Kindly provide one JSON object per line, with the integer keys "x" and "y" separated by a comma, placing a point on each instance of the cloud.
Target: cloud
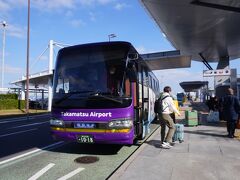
{"x": 50, "y": 5}
{"x": 172, "y": 77}
{"x": 43, "y": 5}
{"x": 94, "y": 2}
{"x": 15, "y": 31}
{"x": 44, "y": 58}
{"x": 11, "y": 4}
{"x": 92, "y": 16}
{"x": 4, "y": 6}
{"x": 142, "y": 50}
{"x": 120, "y": 6}
{"x": 12, "y": 70}
{"x": 105, "y": 1}
{"x": 77, "y": 23}
{"x": 87, "y": 2}
{"x": 178, "y": 75}
{"x": 69, "y": 14}
{"x": 54, "y": 4}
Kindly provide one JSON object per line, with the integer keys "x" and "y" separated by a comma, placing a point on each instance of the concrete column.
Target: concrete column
{"x": 223, "y": 63}
{"x": 50, "y": 69}
{"x": 233, "y": 81}
{"x": 22, "y": 91}
{"x": 50, "y": 93}
{"x": 50, "y": 65}
{"x": 42, "y": 98}
{"x": 221, "y": 83}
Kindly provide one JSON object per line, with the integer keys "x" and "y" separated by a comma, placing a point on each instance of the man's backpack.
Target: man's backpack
{"x": 159, "y": 105}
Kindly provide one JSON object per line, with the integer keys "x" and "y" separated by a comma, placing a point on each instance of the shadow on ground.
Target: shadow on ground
{"x": 205, "y": 133}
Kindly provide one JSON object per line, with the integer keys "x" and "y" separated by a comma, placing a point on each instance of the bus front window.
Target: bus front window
{"x": 99, "y": 73}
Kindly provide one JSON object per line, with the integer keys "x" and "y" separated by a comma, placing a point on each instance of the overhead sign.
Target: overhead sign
{"x": 217, "y": 72}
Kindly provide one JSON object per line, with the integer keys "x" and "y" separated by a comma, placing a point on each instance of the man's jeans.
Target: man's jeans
{"x": 166, "y": 120}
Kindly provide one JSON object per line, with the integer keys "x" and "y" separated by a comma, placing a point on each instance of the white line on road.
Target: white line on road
{"x": 71, "y": 174}
{"x": 31, "y": 152}
{"x": 26, "y": 125}
{"x": 41, "y": 172}
{"x": 19, "y": 132}
{"x": 12, "y": 120}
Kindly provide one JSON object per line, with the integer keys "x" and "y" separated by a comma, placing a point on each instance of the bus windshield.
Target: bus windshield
{"x": 92, "y": 78}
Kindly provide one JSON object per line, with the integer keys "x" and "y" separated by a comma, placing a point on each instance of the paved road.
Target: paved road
{"x": 28, "y": 152}
{"x": 20, "y": 134}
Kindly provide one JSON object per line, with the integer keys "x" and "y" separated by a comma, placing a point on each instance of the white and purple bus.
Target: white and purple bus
{"x": 102, "y": 93}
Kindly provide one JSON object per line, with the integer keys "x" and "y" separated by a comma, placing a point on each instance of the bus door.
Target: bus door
{"x": 138, "y": 107}
{"x": 145, "y": 96}
{"x": 141, "y": 110}
{"x": 151, "y": 99}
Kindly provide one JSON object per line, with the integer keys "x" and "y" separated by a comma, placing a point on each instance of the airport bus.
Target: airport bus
{"x": 102, "y": 93}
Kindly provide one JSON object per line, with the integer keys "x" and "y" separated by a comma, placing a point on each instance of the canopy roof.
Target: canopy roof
{"x": 209, "y": 27}
{"x": 190, "y": 86}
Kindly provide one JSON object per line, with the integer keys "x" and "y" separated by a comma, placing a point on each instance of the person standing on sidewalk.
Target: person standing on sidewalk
{"x": 165, "y": 118}
{"x": 231, "y": 111}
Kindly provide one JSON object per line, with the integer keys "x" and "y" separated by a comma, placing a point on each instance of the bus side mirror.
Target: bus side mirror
{"x": 133, "y": 56}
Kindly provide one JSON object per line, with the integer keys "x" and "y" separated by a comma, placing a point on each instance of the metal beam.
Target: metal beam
{"x": 215, "y": 6}
{"x": 205, "y": 62}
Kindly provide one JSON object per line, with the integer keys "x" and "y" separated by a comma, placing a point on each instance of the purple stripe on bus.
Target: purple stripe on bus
{"x": 93, "y": 114}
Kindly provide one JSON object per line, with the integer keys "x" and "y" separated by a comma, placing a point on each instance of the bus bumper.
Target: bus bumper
{"x": 113, "y": 136}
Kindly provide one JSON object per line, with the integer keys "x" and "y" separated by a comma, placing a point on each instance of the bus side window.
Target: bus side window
{"x": 135, "y": 94}
{"x": 127, "y": 87}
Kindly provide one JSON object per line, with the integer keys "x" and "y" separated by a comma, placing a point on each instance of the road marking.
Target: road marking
{"x": 71, "y": 174}
{"x": 26, "y": 125}
{"x": 19, "y": 132}
{"x": 19, "y": 119}
{"x": 31, "y": 152}
{"x": 41, "y": 172}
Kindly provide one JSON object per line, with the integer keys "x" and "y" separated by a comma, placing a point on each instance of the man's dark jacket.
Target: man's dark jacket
{"x": 231, "y": 108}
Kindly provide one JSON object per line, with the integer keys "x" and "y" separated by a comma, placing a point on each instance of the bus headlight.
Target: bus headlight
{"x": 121, "y": 123}
{"x": 56, "y": 122}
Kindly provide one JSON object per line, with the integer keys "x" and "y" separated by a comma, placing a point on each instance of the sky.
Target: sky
{"x": 83, "y": 21}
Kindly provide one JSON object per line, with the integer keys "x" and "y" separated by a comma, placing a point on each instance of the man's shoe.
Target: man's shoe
{"x": 167, "y": 144}
{"x": 230, "y": 136}
{"x": 164, "y": 146}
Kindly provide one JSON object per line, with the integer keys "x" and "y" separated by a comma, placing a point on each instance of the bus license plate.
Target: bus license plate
{"x": 85, "y": 139}
{"x": 84, "y": 125}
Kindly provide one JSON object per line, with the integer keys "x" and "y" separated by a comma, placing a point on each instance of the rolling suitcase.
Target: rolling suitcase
{"x": 213, "y": 116}
{"x": 179, "y": 133}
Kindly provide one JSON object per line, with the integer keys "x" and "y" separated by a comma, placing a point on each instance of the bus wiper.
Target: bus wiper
{"x": 106, "y": 97}
{"x": 70, "y": 94}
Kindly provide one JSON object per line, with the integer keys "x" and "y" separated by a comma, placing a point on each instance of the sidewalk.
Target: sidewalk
{"x": 205, "y": 154}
